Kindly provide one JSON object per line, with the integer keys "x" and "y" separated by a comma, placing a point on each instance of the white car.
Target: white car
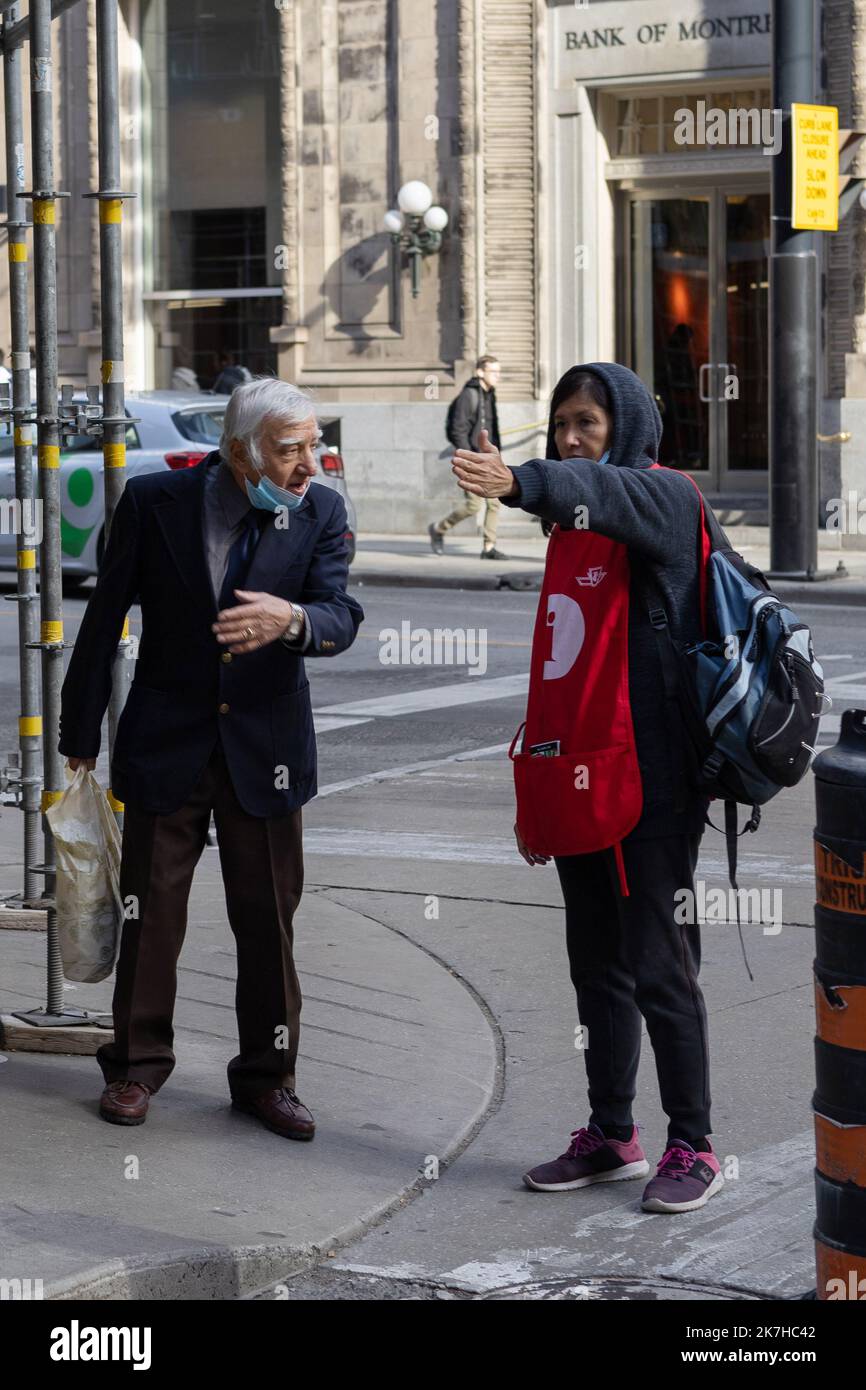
{"x": 171, "y": 429}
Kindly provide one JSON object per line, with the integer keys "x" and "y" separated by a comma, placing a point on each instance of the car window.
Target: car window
{"x": 87, "y": 443}
{"x": 201, "y": 426}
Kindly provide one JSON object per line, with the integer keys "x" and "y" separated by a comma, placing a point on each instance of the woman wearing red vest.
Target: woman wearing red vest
{"x": 601, "y": 777}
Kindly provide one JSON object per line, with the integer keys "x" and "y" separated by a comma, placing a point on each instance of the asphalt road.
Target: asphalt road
{"x": 391, "y": 738}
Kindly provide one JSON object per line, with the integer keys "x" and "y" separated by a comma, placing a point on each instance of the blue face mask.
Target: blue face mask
{"x": 605, "y": 456}
{"x": 268, "y": 497}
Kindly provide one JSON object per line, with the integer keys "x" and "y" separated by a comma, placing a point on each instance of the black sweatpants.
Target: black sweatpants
{"x": 629, "y": 959}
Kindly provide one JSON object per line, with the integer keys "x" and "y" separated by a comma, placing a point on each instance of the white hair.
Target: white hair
{"x": 254, "y": 402}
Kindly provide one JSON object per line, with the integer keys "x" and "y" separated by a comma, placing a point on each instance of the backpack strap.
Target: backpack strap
{"x": 671, "y": 679}
{"x": 711, "y": 538}
{"x": 732, "y": 834}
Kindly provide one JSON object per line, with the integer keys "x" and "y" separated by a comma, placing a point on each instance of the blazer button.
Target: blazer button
{"x": 224, "y": 709}
{"x": 226, "y": 657}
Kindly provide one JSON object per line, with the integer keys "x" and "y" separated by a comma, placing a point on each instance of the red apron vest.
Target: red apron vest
{"x": 589, "y": 796}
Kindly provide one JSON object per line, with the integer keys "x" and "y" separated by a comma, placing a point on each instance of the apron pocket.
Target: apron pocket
{"x": 577, "y": 803}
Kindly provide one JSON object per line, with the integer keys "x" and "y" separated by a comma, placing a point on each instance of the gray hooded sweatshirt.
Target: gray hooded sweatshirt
{"x": 656, "y": 514}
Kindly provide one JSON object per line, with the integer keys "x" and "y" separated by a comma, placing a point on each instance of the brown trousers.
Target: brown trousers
{"x": 263, "y": 875}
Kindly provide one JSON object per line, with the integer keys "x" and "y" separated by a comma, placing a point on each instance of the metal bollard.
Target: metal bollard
{"x": 839, "y": 1101}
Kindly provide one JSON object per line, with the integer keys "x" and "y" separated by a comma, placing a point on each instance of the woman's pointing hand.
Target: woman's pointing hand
{"x": 483, "y": 473}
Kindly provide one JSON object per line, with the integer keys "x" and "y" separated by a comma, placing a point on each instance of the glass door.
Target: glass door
{"x": 743, "y": 418}
{"x": 696, "y": 328}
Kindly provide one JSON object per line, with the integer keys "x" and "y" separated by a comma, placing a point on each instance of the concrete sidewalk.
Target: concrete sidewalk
{"x": 409, "y": 560}
{"x": 398, "y": 1061}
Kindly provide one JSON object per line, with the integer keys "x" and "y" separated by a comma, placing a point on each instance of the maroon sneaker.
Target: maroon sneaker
{"x": 685, "y": 1179}
{"x": 589, "y": 1158}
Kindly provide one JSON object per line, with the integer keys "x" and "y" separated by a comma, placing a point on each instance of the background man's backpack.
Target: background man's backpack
{"x": 449, "y": 421}
{"x": 750, "y": 695}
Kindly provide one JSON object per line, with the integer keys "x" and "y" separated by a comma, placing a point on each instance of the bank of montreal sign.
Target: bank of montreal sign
{"x": 643, "y": 38}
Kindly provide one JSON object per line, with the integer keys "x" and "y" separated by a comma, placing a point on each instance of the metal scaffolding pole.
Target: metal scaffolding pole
{"x": 29, "y": 721}
{"x": 114, "y": 421}
{"x": 20, "y": 32}
{"x": 794, "y": 291}
{"x": 44, "y": 196}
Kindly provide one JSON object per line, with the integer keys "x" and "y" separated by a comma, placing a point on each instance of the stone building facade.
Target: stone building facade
{"x": 264, "y": 143}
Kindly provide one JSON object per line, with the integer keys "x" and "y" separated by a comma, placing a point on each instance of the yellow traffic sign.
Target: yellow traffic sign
{"x": 815, "y": 175}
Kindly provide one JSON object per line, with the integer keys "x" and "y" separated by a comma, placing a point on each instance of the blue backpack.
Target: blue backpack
{"x": 750, "y": 695}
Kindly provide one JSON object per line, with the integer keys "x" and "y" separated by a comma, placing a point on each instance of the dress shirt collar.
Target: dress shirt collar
{"x": 234, "y": 503}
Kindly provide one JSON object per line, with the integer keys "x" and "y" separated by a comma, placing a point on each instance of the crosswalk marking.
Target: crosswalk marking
{"x": 469, "y": 691}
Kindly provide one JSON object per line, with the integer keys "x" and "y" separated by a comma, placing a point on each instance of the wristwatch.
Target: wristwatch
{"x": 295, "y": 627}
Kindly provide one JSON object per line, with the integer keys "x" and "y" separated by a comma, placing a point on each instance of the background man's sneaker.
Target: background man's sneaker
{"x": 685, "y": 1179}
{"x": 125, "y": 1102}
{"x": 589, "y": 1158}
{"x": 436, "y": 540}
{"x": 493, "y": 554}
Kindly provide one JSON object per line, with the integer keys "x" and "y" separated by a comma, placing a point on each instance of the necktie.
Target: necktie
{"x": 240, "y": 557}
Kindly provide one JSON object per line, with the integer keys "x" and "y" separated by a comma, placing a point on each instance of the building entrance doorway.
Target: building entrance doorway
{"x": 696, "y": 322}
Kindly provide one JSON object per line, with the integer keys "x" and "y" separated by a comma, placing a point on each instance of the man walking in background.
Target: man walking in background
{"x": 472, "y": 411}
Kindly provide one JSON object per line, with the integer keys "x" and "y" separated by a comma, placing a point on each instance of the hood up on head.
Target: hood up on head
{"x": 637, "y": 425}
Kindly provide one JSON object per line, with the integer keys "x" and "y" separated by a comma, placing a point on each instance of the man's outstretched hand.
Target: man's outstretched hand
{"x": 253, "y": 623}
{"x": 483, "y": 473}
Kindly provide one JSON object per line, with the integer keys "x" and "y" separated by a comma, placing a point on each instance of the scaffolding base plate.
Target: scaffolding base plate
{"x": 15, "y": 918}
{"x": 77, "y": 1037}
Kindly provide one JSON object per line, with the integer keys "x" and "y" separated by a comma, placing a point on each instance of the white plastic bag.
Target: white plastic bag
{"x": 87, "y": 850}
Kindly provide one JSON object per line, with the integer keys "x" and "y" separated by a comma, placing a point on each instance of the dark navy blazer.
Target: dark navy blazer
{"x": 172, "y": 719}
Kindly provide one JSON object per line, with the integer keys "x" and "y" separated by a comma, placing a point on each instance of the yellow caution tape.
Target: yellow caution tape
{"x": 110, "y": 210}
{"x": 43, "y": 211}
{"x": 18, "y": 250}
{"x": 27, "y": 559}
{"x": 49, "y": 455}
{"x": 51, "y": 632}
{"x": 114, "y": 454}
{"x": 23, "y": 435}
{"x": 48, "y": 799}
{"x": 30, "y": 725}
{"x": 113, "y": 802}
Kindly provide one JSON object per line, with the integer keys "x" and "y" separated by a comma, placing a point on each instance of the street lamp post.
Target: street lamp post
{"x": 417, "y": 226}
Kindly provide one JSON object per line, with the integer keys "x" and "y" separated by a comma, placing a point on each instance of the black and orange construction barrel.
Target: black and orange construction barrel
{"x": 839, "y": 1101}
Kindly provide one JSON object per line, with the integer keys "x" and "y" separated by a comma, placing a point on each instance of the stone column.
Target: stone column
{"x": 469, "y": 222}
{"x": 290, "y": 336}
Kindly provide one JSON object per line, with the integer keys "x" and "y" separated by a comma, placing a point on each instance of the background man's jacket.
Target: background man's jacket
{"x": 172, "y": 719}
{"x": 474, "y": 411}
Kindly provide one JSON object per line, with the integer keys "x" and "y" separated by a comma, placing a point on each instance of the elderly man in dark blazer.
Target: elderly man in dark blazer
{"x": 240, "y": 567}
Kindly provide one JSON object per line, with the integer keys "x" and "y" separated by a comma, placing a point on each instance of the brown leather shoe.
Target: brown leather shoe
{"x": 125, "y": 1102}
{"x": 280, "y": 1111}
